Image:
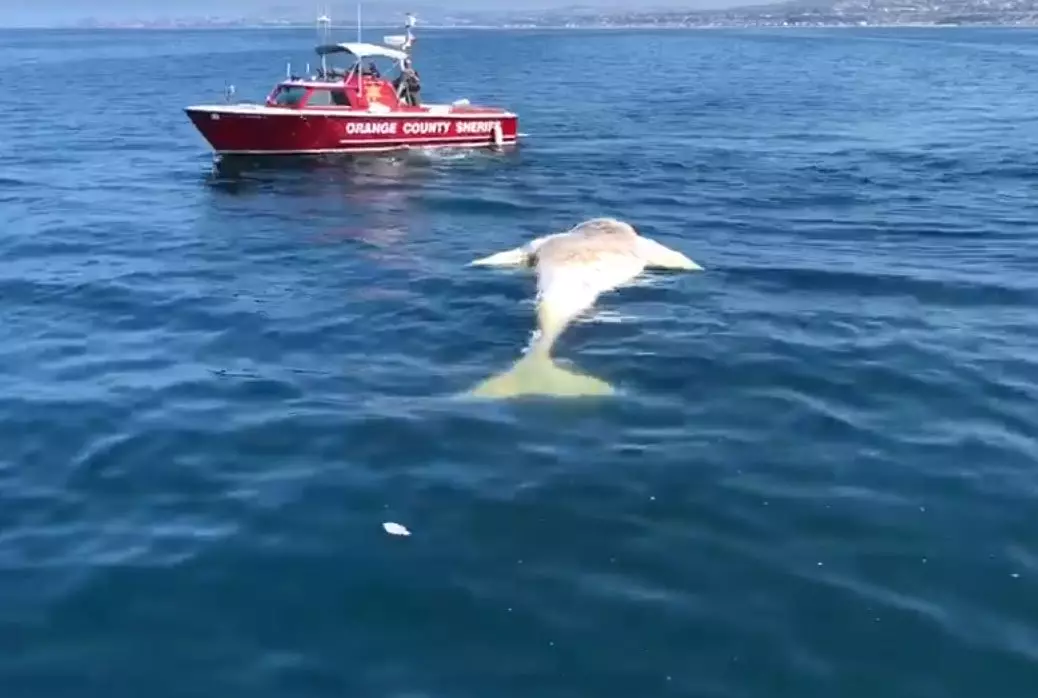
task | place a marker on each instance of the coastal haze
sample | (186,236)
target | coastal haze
(534,13)
(198,12)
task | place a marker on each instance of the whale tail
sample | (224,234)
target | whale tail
(537,374)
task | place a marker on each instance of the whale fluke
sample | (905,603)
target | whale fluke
(538,374)
(573,269)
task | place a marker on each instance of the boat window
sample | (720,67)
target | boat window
(320,98)
(289,96)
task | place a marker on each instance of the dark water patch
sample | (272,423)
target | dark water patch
(938,292)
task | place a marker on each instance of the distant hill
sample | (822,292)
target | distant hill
(809,13)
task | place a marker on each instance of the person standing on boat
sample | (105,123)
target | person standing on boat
(411,82)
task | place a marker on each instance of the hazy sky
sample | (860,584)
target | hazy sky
(36,12)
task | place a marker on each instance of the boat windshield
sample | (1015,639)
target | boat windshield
(329,98)
(289,95)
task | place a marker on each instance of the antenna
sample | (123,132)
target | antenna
(358,23)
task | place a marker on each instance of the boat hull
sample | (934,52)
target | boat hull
(259,130)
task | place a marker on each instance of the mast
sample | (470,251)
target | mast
(358,23)
(324,24)
(324,29)
(402,41)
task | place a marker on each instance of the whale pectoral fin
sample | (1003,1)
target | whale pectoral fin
(509,258)
(659,256)
(517,257)
(537,374)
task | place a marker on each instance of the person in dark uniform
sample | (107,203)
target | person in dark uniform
(412,84)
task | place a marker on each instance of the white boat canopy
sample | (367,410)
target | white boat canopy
(362,50)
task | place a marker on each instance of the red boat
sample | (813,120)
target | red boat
(351,111)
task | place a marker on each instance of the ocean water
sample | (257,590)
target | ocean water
(821,478)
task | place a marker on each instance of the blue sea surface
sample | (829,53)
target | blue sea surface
(820,478)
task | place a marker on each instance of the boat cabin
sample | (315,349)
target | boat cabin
(362,86)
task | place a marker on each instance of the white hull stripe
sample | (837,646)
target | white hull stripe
(481,138)
(374,149)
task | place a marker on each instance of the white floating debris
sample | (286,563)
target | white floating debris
(395,529)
